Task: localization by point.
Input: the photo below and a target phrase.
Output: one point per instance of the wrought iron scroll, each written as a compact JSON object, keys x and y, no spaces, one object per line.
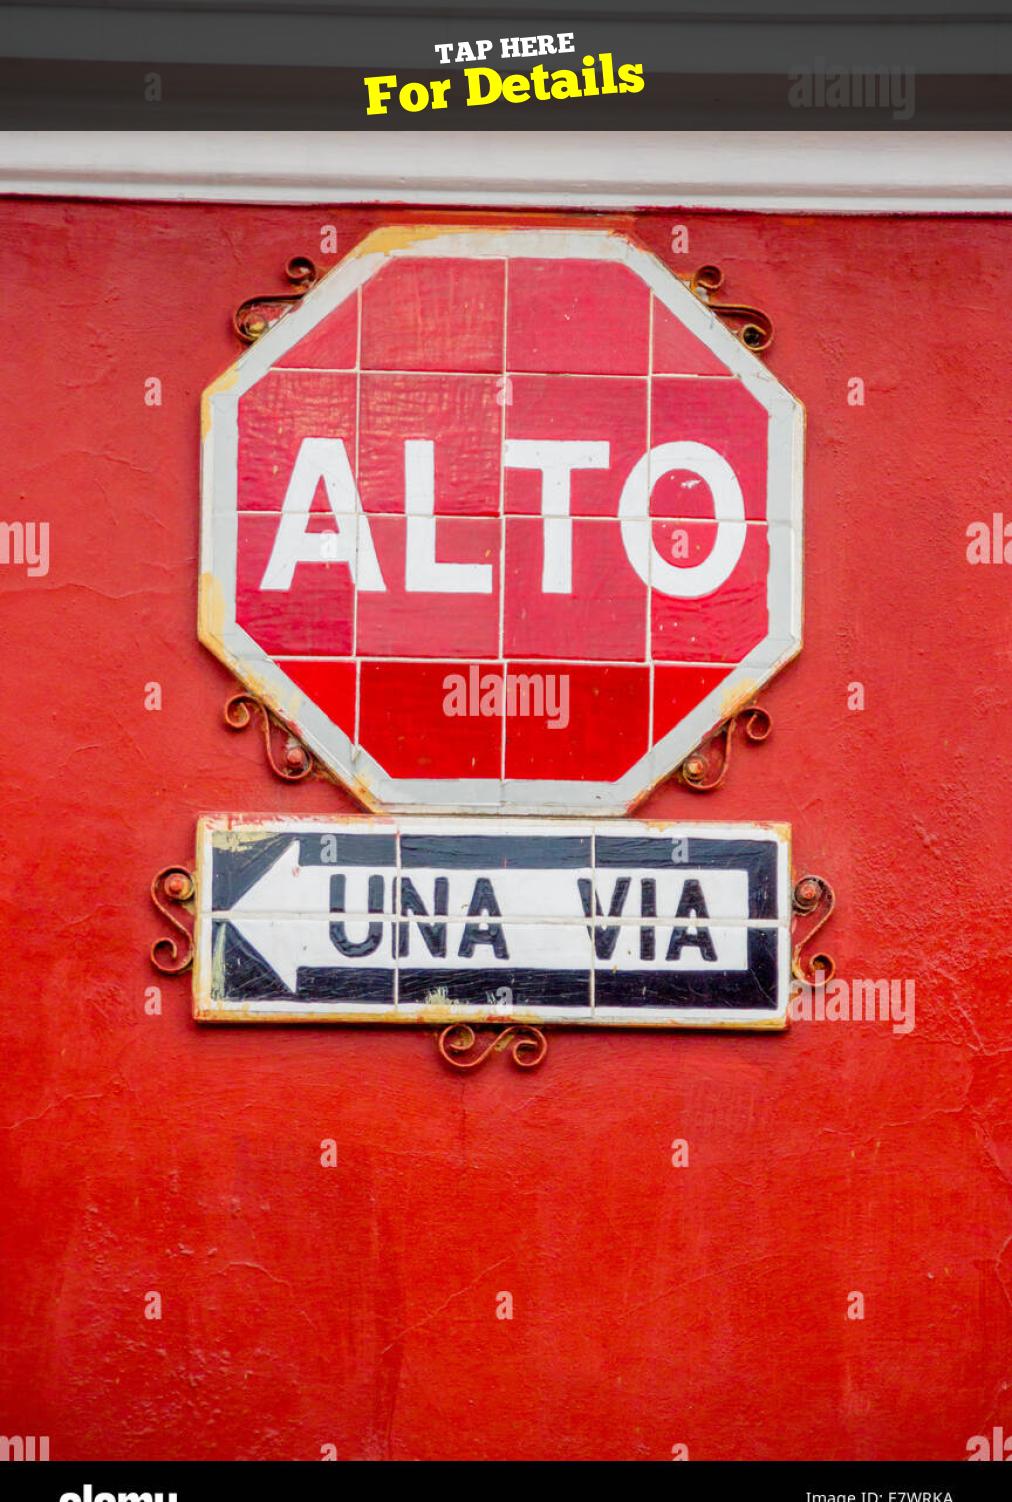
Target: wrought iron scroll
{"x":294,"y":763}
{"x":175,"y":885}
{"x":813,"y":894}
{"x":528,"y":1045}
{"x":701,"y":771}
{"x":249,"y":321}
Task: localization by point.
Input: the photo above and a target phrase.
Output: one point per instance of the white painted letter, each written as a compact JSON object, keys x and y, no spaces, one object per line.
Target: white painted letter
{"x":323,"y":459}
{"x":422,"y":573}
{"x":634,"y":509}
{"x":556,"y":460}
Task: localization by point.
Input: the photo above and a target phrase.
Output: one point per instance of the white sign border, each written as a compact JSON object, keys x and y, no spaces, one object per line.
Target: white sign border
{"x":220,"y":632}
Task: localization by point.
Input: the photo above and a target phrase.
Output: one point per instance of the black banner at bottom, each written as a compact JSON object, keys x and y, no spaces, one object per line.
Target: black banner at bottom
{"x":305,"y":1481}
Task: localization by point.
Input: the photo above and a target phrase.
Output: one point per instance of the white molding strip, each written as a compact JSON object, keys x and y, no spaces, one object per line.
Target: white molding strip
{"x":813,"y":172}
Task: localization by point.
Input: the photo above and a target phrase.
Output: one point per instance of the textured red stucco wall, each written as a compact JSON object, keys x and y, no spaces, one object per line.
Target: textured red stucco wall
{"x":653,"y":1305}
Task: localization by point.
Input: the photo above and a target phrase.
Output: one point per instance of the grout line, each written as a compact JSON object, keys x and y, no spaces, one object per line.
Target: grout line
{"x":358,"y":440}
{"x":478,"y":516}
{"x":592,"y":945}
{"x":650,"y":525}
{"x":505,"y":391}
{"x":486,"y":375}
{"x":516,"y":660}
{"x":396,"y":903}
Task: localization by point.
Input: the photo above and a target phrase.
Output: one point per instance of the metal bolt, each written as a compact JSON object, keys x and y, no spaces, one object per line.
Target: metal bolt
{"x":176,"y":885}
{"x":807,"y":891}
{"x":694,"y":767}
{"x":295,"y":757}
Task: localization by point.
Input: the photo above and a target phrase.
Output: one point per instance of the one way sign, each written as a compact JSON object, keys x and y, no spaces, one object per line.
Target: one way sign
{"x":432,"y":920}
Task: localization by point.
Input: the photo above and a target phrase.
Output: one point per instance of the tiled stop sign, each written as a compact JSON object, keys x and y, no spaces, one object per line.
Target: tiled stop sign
{"x":501,"y":519}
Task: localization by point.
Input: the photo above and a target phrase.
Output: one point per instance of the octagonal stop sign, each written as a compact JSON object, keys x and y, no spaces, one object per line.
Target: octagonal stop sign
{"x":501,"y":519}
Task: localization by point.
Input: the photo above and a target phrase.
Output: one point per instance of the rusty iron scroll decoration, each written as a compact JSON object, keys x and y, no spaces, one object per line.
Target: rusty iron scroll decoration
{"x":810,"y":894}
{"x":695,"y":772}
{"x":248,"y":321}
{"x":297,"y":762}
{"x":174,"y":884}
{"x":528,"y":1046}
{"x":755,"y":328}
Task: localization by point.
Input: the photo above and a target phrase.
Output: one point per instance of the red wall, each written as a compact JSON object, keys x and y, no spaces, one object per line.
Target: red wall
{"x":653,"y":1305}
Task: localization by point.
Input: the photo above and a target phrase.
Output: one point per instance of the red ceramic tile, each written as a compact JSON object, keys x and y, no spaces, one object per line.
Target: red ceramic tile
{"x":604,"y":615}
{"x":432,"y":622}
{"x":434,"y":313}
{"x":564,"y":741}
{"x":459,"y":415}
{"x":576,"y":409}
{"x":717,"y":627}
{"x":428,"y":720}
{"x":330,"y":686}
{"x":332,"y":345}
{"x":314,"y":615}
{"x":275,"y":416}
{"x":677,"y":351}
{"x":724,"y":417}
{"x":577,"y":317}
{"x":677,"y":691}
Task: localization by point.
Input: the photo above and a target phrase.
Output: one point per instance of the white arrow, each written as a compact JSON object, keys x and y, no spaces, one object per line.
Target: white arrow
{"x":285,"y":915}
